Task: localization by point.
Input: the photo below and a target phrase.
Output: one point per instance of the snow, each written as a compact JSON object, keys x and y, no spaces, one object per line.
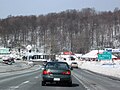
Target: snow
{"x":106,"y":67}
{"x":103,"y":67}
{"x":94,"y":54}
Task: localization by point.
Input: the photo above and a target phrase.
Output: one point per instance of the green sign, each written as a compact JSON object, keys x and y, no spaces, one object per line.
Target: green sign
{"x":105,"y":56}
{"x":4,"y":50}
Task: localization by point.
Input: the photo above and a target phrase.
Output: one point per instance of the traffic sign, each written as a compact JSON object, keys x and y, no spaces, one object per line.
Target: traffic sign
{"x":29,"y":47}
{"x":4,"y":50}
{"x":105,"y":56}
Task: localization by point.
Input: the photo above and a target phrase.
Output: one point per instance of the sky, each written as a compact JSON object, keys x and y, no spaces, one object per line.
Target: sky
{"x":38,"y":7}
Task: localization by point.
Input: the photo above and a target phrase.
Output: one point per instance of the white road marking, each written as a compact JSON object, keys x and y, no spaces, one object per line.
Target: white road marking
{"x":15,"y":87}
{"x":25,"y":82}
{"x":76,"y":76}
{"x":37,"y":77}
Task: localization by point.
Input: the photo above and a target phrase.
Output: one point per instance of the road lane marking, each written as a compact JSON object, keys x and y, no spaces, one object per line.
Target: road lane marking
{"x":25,"y":82}
{"x":16,"y":87}
{"x":37,"y":69}
{"x":36,"y":77}
{"x":13,"y":87}
{"x":76,"y":76}
{"x":92,"y":85}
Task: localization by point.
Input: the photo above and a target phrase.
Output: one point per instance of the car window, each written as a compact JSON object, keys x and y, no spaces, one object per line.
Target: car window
{"x":57,"y":66}
{"x":74,"y":63}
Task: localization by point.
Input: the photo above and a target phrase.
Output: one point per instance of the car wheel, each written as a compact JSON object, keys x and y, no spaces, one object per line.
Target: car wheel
{"x":9,"y":63}
{"x":70,"y":84}
{"x":43,"y":83}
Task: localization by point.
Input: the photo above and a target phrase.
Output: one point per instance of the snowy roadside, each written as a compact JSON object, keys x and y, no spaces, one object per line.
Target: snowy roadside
{"x":103,"y":67}
{"x":17,"y":66}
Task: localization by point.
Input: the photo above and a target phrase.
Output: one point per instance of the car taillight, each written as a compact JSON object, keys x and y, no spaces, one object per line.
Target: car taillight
{"x":67,"y":72}
{"x":45,"y":72}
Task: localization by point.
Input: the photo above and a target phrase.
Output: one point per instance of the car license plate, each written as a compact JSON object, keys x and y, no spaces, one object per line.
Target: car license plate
{"x":56,"y":79}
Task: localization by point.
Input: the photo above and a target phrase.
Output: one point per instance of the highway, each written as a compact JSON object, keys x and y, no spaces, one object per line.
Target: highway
{"x":82,"y":80}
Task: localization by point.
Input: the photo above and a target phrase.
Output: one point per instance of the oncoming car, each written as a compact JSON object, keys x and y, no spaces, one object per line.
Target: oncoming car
{"x":58,"y":72}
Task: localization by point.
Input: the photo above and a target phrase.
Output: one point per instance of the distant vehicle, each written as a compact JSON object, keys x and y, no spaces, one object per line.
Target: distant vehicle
{"x":72,"y":58}
{"x":74,"y":65}
{"x":8,"y":60}
{"x":5,"y":55}
{"x":56,"y":72}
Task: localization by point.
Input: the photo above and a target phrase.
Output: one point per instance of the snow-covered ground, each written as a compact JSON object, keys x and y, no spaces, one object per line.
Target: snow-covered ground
{"x":107,"y":67}
{"x":102,"y":67}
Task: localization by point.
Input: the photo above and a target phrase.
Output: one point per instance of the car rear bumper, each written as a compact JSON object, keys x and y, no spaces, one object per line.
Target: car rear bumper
{"x":57,"y":79}
{"x":74,"y":66}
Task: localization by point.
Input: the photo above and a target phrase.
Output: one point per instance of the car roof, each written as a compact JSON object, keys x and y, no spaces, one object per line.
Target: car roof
{"x":74,"y":62}
{"x":56,"y":62}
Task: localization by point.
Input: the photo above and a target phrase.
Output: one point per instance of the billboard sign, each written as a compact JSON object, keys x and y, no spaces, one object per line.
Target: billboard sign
{"x":116,"y":50}
{"x":108,"y":49}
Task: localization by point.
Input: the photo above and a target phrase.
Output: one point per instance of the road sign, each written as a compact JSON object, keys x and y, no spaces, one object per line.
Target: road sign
{"x":105,"y":56}
{"x":29,"y":47}
{"x":4,"y":51}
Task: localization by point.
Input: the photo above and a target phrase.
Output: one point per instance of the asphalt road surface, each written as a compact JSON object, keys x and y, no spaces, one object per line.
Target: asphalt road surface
{"x":82,"y":80}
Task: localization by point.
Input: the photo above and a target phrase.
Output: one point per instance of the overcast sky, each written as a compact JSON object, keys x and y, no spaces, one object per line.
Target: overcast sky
{"x":38,"y":7}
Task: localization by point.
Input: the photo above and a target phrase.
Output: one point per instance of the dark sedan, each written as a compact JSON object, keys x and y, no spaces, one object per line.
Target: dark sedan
{"x":57,"y":72}
{"x":8,"y":60}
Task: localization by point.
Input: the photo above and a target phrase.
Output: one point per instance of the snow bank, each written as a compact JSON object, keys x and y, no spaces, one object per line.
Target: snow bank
{"x":30,"y":63}
{"x":103,"y":67}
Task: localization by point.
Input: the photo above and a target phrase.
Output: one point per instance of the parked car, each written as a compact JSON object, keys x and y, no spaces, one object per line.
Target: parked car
{"x":74,"y":65}
{"x":56,"y":72}
{"x":8,"y":60}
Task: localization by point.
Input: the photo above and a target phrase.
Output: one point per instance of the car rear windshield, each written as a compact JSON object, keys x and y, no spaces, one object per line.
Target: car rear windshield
{"x":74,"y":63}
{"x":57,"y":65}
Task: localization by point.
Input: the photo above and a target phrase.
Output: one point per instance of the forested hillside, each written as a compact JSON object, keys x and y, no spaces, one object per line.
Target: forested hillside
{"x":70,"y":30}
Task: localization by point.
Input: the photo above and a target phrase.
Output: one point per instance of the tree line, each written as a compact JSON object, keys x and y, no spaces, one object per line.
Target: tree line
{"x":71,"y":30}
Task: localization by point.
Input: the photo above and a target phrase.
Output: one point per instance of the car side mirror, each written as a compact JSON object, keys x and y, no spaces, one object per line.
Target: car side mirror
{"x":42,"y":68}
{"x":71,"y":68}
